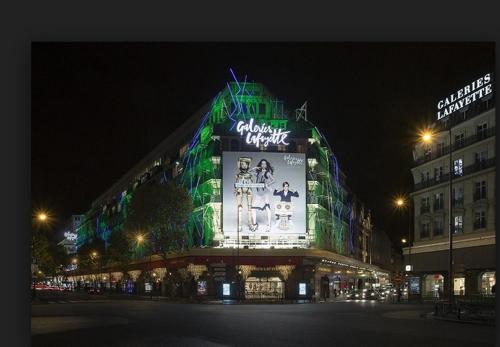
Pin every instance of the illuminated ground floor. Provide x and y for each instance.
(474, 272)
(248, 274)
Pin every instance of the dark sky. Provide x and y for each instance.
(97, 109)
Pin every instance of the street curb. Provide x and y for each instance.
(431, 315)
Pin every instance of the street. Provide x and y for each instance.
(158, 323)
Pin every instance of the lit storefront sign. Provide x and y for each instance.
(302, 288)
(226, 289)
(261, 134)
(465, 96)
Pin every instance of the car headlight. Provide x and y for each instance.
(278, 206)
(287, 207)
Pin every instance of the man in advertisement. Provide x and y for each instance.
(283, 211)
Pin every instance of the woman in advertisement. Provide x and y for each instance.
(262, 199)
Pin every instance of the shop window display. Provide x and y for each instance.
(488, 280)
(433, 285)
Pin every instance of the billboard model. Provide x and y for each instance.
(264, 197)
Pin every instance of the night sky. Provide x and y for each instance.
(97, 109)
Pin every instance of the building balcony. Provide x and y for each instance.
(459, 202)
(480, 195)
(438, 205)
(425, 209)
(457, 145)
(479, 224)
(437, 232)
(467, 170)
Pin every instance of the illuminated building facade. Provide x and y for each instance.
(272, 210)
(473, 198)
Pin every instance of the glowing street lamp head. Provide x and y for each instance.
(94, 254)
(400, 201)
(403, 240)
(42, 216)
(140, 238)
(426, 136)
(75, 260)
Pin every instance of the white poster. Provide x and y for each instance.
(264, 197)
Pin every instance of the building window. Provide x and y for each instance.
(425, 205)
(479, 220)
(458, 167)
(438, 173)
(488, 280)
(425, 230)
(459, 285)
(440, 148)
(438, 227)
(438, 202)
(433, 285)
(459, 224)
(425, 176)
(458, 196)
(481, 130)
(459, 140)
(480, 160)
(480, 190)
(262, 108)
(427, 152)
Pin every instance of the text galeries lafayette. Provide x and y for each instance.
(261, 134)
(465, 96)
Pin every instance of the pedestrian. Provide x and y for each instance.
(335, 292)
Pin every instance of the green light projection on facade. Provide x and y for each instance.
(200, 172)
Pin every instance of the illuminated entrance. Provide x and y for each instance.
(264, 288)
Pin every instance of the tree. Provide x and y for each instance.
(161, 211)
(118, 251)
(92, 255)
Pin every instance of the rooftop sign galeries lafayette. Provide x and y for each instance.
(465, 96)
(261, 134)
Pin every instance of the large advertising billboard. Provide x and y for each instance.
(264, 198)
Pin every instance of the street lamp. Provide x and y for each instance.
(427, 137)
(140, 239)
(405, 203)
(41, 219)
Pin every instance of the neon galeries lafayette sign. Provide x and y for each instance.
(465, 96)
(261, 134)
